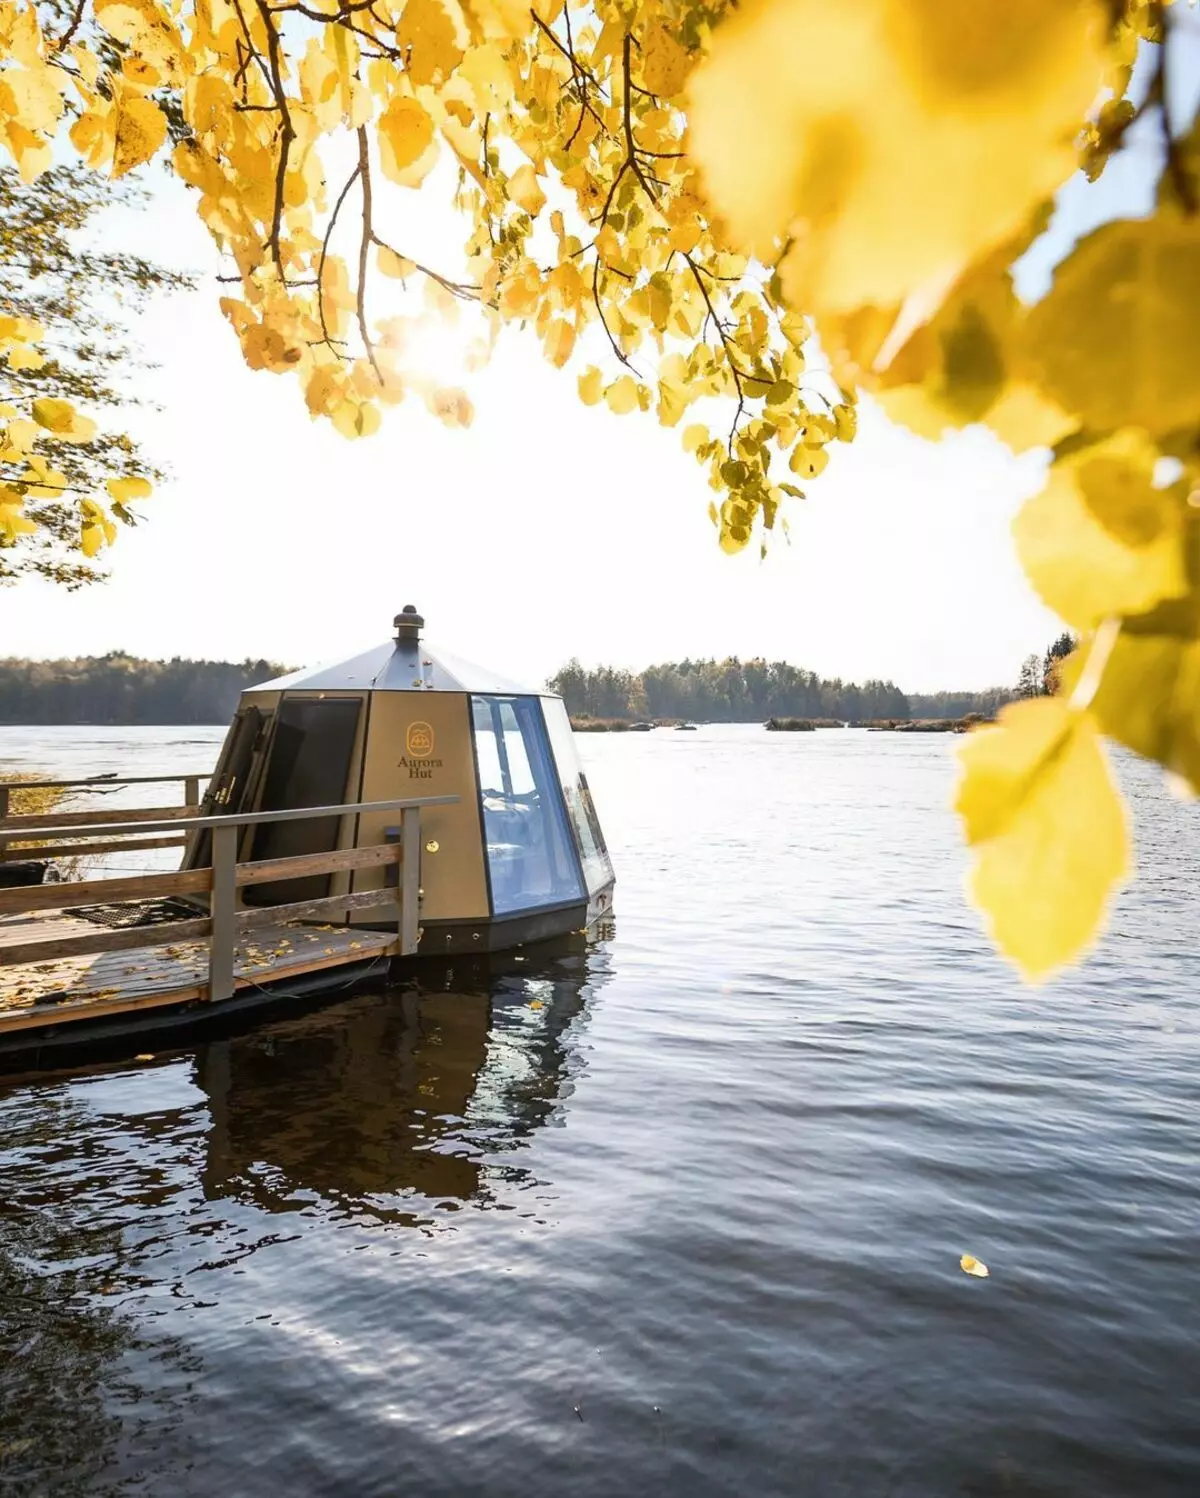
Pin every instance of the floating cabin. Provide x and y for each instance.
(518, 856)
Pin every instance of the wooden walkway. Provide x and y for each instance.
(85, 987)
(59, 969)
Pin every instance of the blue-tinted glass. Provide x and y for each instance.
(597, 867)
(531, 858)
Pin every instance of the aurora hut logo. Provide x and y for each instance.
(419, 740)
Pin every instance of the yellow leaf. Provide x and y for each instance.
(846, 421)
(430, 37)
(30, 151)
(1100, 539)
(390, 264)
(969, 1264)
(525, 191)
(622, 396)
(665, 61)
(1149, 693)
(124, 490)
(591, 386)
(1047, 826)
(61, 418)
(453, 407)
(97, 529)
(405, 137)
(13, 522)
(953, 124)
(559, 342)
(140, 128)
(24, 357)
(694, 436)
(808, 462)
(147, 29)
(1116, 338)
(355, 418)
(501, 20)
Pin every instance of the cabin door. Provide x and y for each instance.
(231, 788)
(308, 765)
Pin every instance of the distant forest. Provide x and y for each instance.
(734, 691)
(119, 689)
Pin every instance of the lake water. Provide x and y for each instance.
(680, 1217)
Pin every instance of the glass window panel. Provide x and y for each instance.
(531, 858)
(597, 866)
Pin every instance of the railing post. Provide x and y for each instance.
(223, 910)
(3, 801)
(191, 790)
(410, 878)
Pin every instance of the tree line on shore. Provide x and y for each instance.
(121, 689)
(736, 691)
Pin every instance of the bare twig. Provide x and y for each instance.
(286, 133)
(364, 248)
(333, 218)
(76, 20)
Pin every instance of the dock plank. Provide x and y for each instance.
(76, 988)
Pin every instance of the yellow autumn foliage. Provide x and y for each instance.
(683, 195)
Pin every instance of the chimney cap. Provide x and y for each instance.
(408, 623)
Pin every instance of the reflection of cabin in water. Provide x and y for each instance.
(517, 857)
(387, 1095)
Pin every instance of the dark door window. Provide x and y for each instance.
(309, 765)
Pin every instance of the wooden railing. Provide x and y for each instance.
(225, 921)
(191, 787)
(55, 822)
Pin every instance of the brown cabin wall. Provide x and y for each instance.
(437, 726)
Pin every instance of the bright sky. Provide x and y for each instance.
(544, 531)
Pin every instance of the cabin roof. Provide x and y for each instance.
(401, 666)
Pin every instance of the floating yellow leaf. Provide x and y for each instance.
(1047, 826)
(1100, 539)
(952, 124)
(969, 1264)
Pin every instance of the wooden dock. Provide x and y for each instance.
(98, 949)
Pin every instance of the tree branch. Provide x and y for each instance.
(333, 218)
(286, 133)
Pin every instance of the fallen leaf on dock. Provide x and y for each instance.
(144, 1056)
(971, 1265)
